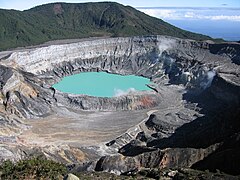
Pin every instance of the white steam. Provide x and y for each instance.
(165, 44)
(120, 92)
(208, 80)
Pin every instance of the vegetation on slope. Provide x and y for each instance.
(36, 168)
(66, 21)
(41, 168)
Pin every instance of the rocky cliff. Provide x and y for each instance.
(188, 119)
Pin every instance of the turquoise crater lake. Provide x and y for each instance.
(101, 84)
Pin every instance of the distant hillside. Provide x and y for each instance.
(65, 21)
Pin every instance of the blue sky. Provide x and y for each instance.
(26, 4)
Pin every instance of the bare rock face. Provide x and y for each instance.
(186, 120)
(71, 177)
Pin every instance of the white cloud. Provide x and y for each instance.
(194, 14)
(223, 17)
(120, 92)
(189, 15)
(162, 13)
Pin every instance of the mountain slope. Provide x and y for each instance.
(64, 20)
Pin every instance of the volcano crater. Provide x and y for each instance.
(194, 92)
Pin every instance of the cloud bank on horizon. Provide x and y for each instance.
(228, 14)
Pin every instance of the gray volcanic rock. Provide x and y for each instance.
(161, 159)
(130, 102)
(192, 109)
(154, 123)
(230, 50)
(5, 74)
